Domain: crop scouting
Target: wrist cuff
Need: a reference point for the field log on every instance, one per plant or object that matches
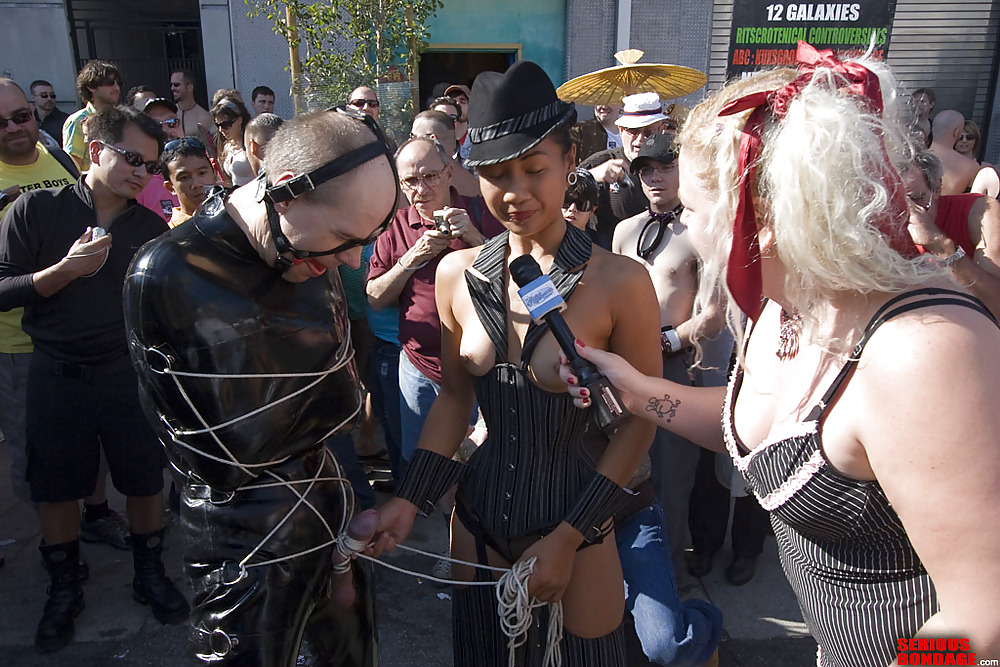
(669, 340)
(596, 507)
(428, 476)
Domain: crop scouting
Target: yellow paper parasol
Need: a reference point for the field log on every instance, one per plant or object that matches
(610, 85)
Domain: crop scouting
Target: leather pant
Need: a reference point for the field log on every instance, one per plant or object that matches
(258, 614)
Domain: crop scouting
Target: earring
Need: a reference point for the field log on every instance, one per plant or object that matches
(571, 178)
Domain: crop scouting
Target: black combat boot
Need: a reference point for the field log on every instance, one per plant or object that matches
(151, 585)
(65, 602)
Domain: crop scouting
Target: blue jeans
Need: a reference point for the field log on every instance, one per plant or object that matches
(416, 396)
(671, 632)
(384, 388)
(343, 447)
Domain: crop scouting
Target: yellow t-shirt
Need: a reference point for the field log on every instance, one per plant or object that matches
(46, 172)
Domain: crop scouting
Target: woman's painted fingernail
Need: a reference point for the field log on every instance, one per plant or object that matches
(585, 392)
(586, 402)
(571, 380)
(580, 343)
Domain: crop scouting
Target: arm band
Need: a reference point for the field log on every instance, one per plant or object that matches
(597, 505)
(428, 477)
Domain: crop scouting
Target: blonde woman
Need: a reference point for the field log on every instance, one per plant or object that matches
(862, 407)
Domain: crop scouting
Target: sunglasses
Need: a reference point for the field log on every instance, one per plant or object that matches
(583, 206)
(965, 136)
(170, 122)
(135, 160)
(20, 118)
(47, 96)
(189, 142)
(225, 125)
(360, 104)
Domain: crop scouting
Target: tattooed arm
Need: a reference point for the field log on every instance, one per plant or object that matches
(691, 412)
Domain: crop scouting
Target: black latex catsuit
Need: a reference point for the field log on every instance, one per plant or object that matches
(528, 473)
(200, 300)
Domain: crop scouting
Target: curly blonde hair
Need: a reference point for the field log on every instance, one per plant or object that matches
(818, 187)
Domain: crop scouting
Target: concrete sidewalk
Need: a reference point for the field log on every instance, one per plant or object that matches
(762, 622)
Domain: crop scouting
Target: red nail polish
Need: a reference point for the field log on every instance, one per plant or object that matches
(585, 392)
(580, 343)
(571, 380)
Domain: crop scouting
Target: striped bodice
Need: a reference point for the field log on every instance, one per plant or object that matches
(532, 467)
(859, 582)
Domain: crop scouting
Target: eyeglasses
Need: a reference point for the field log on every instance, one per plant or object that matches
(583, 206)
(303, 183)
(225, 125)
(431, 180)
(47, 96)
(966, 136)
(20, 118)
(924, 201)
(135, 160)
(361, 104)
(648, 171)
(170, 122)
(189, 142)
(175, 85)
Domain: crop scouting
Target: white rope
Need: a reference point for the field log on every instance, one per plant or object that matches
(514, 606)
(516, 610)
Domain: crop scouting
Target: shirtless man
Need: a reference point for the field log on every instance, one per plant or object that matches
(961, 231)
(660, 242)
(959, 171)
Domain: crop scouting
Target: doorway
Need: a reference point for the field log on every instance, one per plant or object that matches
(444, 65)
(145, 40)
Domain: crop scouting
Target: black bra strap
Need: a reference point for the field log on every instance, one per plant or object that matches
(883, 315)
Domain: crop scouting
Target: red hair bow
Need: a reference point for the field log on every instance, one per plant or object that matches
(744, 278)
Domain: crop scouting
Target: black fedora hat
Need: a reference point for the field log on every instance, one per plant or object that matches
(510, 113)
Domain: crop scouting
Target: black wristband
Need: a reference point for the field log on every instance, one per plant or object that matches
(428, 477)
(597, 505)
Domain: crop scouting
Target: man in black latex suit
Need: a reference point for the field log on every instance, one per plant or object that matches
(239, 332)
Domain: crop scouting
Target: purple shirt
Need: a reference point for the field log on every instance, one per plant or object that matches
(419, 324)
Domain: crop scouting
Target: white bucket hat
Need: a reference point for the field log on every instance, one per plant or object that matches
(640, 110)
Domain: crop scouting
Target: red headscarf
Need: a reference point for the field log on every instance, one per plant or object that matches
(743, 269)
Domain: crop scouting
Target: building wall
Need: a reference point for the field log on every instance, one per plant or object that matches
(667, 31)
(538, 25)
(258, 57)
(36, 45)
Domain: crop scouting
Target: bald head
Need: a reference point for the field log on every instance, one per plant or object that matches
(436, 125)
(365, 100)
(312, 140)
(948, 124)
(17, 139)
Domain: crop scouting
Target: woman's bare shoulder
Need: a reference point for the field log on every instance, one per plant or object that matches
(929, 350)
(457, 261)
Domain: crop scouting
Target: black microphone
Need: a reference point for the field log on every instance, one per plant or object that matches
(544, 303)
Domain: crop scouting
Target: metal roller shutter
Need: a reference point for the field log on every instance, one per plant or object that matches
(949, 46)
